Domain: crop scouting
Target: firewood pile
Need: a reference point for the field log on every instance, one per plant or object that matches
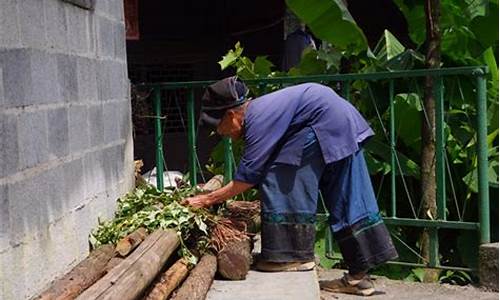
(156, 248)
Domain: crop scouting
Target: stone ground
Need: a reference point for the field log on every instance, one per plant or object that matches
(399, 290)
(304, 286)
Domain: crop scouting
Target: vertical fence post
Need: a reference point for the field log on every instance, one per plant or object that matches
(228, 160)
(346, 89)
(191, 138)
(158, 139)
(440, 149)
(482, 160)
(393, 148)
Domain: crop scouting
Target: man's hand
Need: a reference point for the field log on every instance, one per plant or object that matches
(200, 201)
(230, 190)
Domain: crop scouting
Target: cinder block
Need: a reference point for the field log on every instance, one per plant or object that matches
(116, 9)
(2, 98)
(105, 37)
(102, 7)
(95, 181)
(103, 205)
(96, 124)
(118, 87)
(4, 218)
(75, 183)
(67, 74)
(104, 85)
(113, 165)
(120, 41)
(78, 35)
(86, 223)
(56, 25)
(112, 119)
(27, 203)
(32, 21)
(488, 266)
(58, 132)
(10, 273)
(9, 152)
(87, 79)
(25, 281)
(126, 123)
(33, 137)
(17, 82)
(55, 193)
(9, 25)
(44, 73)
(91, 28)
(78, 128)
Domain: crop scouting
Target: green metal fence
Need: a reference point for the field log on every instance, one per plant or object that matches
(391, 79)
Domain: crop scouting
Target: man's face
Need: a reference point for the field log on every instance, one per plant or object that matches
(231, 124)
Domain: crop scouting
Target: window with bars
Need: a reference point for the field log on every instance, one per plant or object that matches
(173, 102)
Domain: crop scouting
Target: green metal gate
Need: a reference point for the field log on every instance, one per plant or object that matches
(390, 79)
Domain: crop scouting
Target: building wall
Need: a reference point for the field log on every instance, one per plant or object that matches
(65, 135)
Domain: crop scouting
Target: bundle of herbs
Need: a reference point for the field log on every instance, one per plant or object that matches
(149, 208)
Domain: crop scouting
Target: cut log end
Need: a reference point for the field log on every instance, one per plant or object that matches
(131, 241)
(233, 262)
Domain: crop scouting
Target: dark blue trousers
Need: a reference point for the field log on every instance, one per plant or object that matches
(289, 203)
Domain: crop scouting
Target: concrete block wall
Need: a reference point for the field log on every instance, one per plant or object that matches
(65, 135)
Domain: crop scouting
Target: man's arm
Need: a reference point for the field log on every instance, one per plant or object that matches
(230, 190)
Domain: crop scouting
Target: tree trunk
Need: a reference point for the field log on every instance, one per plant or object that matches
(128, 243)
(169, 281)
(428, 154)
(81, 277)
(199, 280)
(132, 276)
(234, 260)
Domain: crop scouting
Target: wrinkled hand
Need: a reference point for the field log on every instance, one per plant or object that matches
(200, 201)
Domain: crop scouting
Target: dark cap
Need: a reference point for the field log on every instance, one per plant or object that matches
(221, 96)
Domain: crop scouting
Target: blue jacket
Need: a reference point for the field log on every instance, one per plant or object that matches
(276, 125)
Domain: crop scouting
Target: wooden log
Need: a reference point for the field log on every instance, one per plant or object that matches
(234, 260)
(115, 261)
(131, 277)
(128, 243)
(196, 286)
(169, 281)
(214, 183)
(80, 277)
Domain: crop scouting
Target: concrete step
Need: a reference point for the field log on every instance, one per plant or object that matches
(268, 286)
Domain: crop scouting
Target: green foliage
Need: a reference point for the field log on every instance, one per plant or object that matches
(320, 248)
(330, 21)
(416, 275)
(149, 208)
(455, 277)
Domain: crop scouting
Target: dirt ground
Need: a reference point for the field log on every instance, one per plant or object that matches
(399, 290)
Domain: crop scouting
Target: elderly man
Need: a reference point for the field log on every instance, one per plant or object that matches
(298, 141)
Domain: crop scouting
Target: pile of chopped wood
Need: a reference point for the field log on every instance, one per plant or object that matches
(145, 264)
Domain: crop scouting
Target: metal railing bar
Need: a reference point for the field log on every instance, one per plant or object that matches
(431, 223)
(482, 160)
(438, 91)
(392, 142)
(474, 70)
